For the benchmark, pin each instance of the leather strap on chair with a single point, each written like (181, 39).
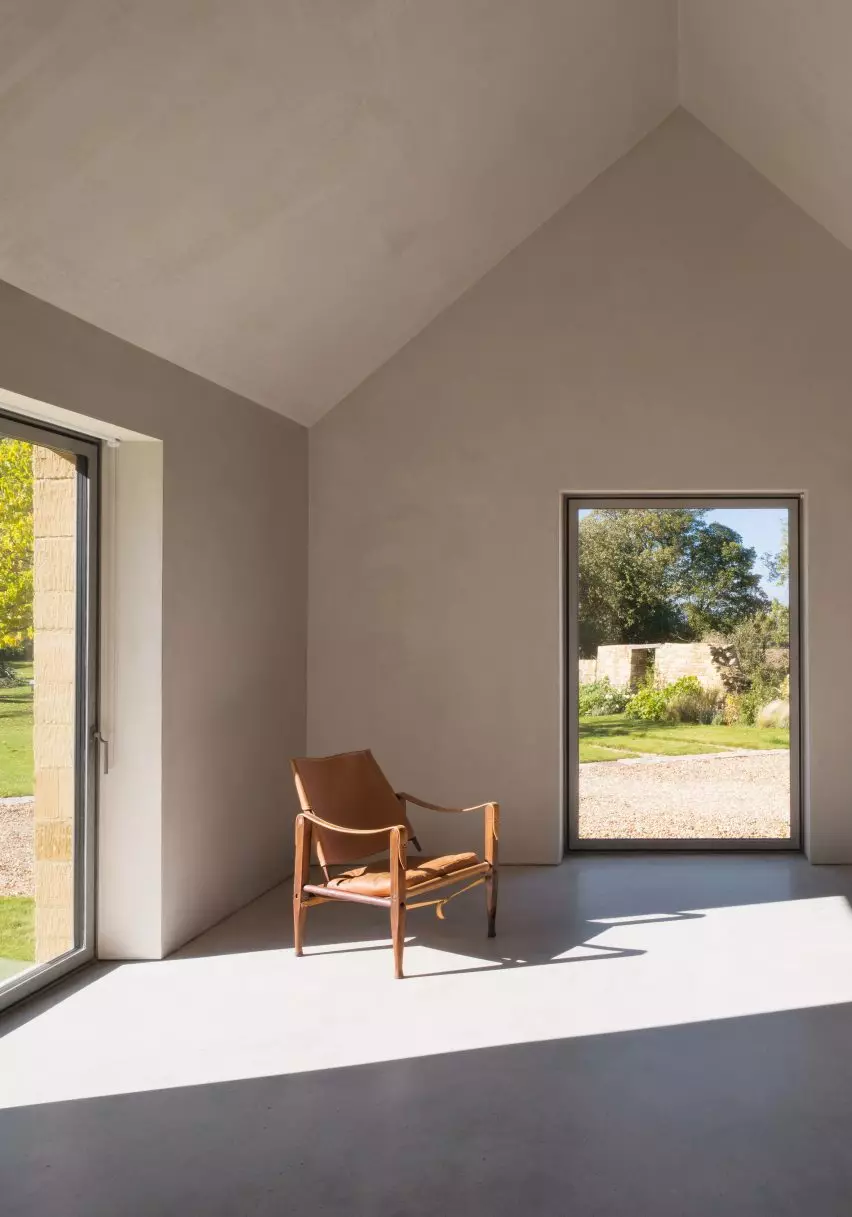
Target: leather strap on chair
(442, 900)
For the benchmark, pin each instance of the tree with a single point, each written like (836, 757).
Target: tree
(778, 569)
(651, 575)
(16, 543)
(626, 562)
(778, 624)
(778, 565)
(719, 586)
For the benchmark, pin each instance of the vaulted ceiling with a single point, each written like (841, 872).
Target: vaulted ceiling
(773, 78)
(278, 194)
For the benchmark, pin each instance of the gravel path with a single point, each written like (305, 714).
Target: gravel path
(742, 794)
(734, 794)
(16, 847)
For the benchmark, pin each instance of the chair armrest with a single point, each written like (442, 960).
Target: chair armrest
(492, 822)
(410, 798)
(355, 832)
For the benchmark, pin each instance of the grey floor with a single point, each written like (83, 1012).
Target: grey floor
(647, 1035)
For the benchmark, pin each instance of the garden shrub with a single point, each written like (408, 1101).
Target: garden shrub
(730, 710)
(756, 679)
(687, 701)
(686, 684)
(600, 697)
(764, 688)
(648, 704)
(684, 701)
(750, 640)
(776, 711)
(9, 678)
(750, 703)
(774, 714)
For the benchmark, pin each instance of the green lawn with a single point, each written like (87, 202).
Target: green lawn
(16, 736)
(616, 738)
(17, 913)
(17, 927)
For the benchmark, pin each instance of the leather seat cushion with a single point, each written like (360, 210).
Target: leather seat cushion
(373, 879)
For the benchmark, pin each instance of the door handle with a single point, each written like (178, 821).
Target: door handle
(103, 747)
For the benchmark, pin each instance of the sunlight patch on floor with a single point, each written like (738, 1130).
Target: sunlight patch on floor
(249, 1014)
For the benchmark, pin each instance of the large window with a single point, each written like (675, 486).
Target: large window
(48, 725)
(683, 674)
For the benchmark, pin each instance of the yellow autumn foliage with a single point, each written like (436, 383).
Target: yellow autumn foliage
(16, 542)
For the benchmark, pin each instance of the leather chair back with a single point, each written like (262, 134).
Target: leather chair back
(348, 789)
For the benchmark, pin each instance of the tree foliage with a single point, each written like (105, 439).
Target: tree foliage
(16, 543)
(778, 565)
(651, 575)
(778, 624)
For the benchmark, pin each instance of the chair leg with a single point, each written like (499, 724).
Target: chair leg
(492, 848)
(299, 916)
(397, 893)
(398, 935)
(301, 873)
(491, 903)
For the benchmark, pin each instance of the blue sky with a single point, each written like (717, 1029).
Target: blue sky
(762, 529)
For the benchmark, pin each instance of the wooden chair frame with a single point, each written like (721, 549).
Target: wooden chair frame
(307, 894)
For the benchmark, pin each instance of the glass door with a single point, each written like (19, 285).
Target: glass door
(48, 582)
(683, 673)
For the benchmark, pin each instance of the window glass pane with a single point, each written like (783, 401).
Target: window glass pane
(684, 702)
(39, 696)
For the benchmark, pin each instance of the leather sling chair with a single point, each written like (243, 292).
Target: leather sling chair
(350, 812)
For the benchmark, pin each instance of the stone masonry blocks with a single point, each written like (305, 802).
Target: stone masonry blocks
(54, 565)
(54, 509)
(54, 670)
(53, 609)
(672, 660)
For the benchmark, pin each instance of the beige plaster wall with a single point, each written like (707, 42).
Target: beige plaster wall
(680, 326)
(234, 599)
(772, 78)
(279, 195)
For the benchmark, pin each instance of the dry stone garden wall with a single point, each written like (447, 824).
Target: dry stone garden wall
(676, 659)
(625, 665)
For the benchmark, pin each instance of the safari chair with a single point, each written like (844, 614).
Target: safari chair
(350, 812)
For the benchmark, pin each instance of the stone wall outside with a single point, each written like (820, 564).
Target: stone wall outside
(676, 659)
(54, 673)
(588, 670)
(672, 660)
(613, 663)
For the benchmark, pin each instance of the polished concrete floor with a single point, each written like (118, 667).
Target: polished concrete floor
(667, 1035)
